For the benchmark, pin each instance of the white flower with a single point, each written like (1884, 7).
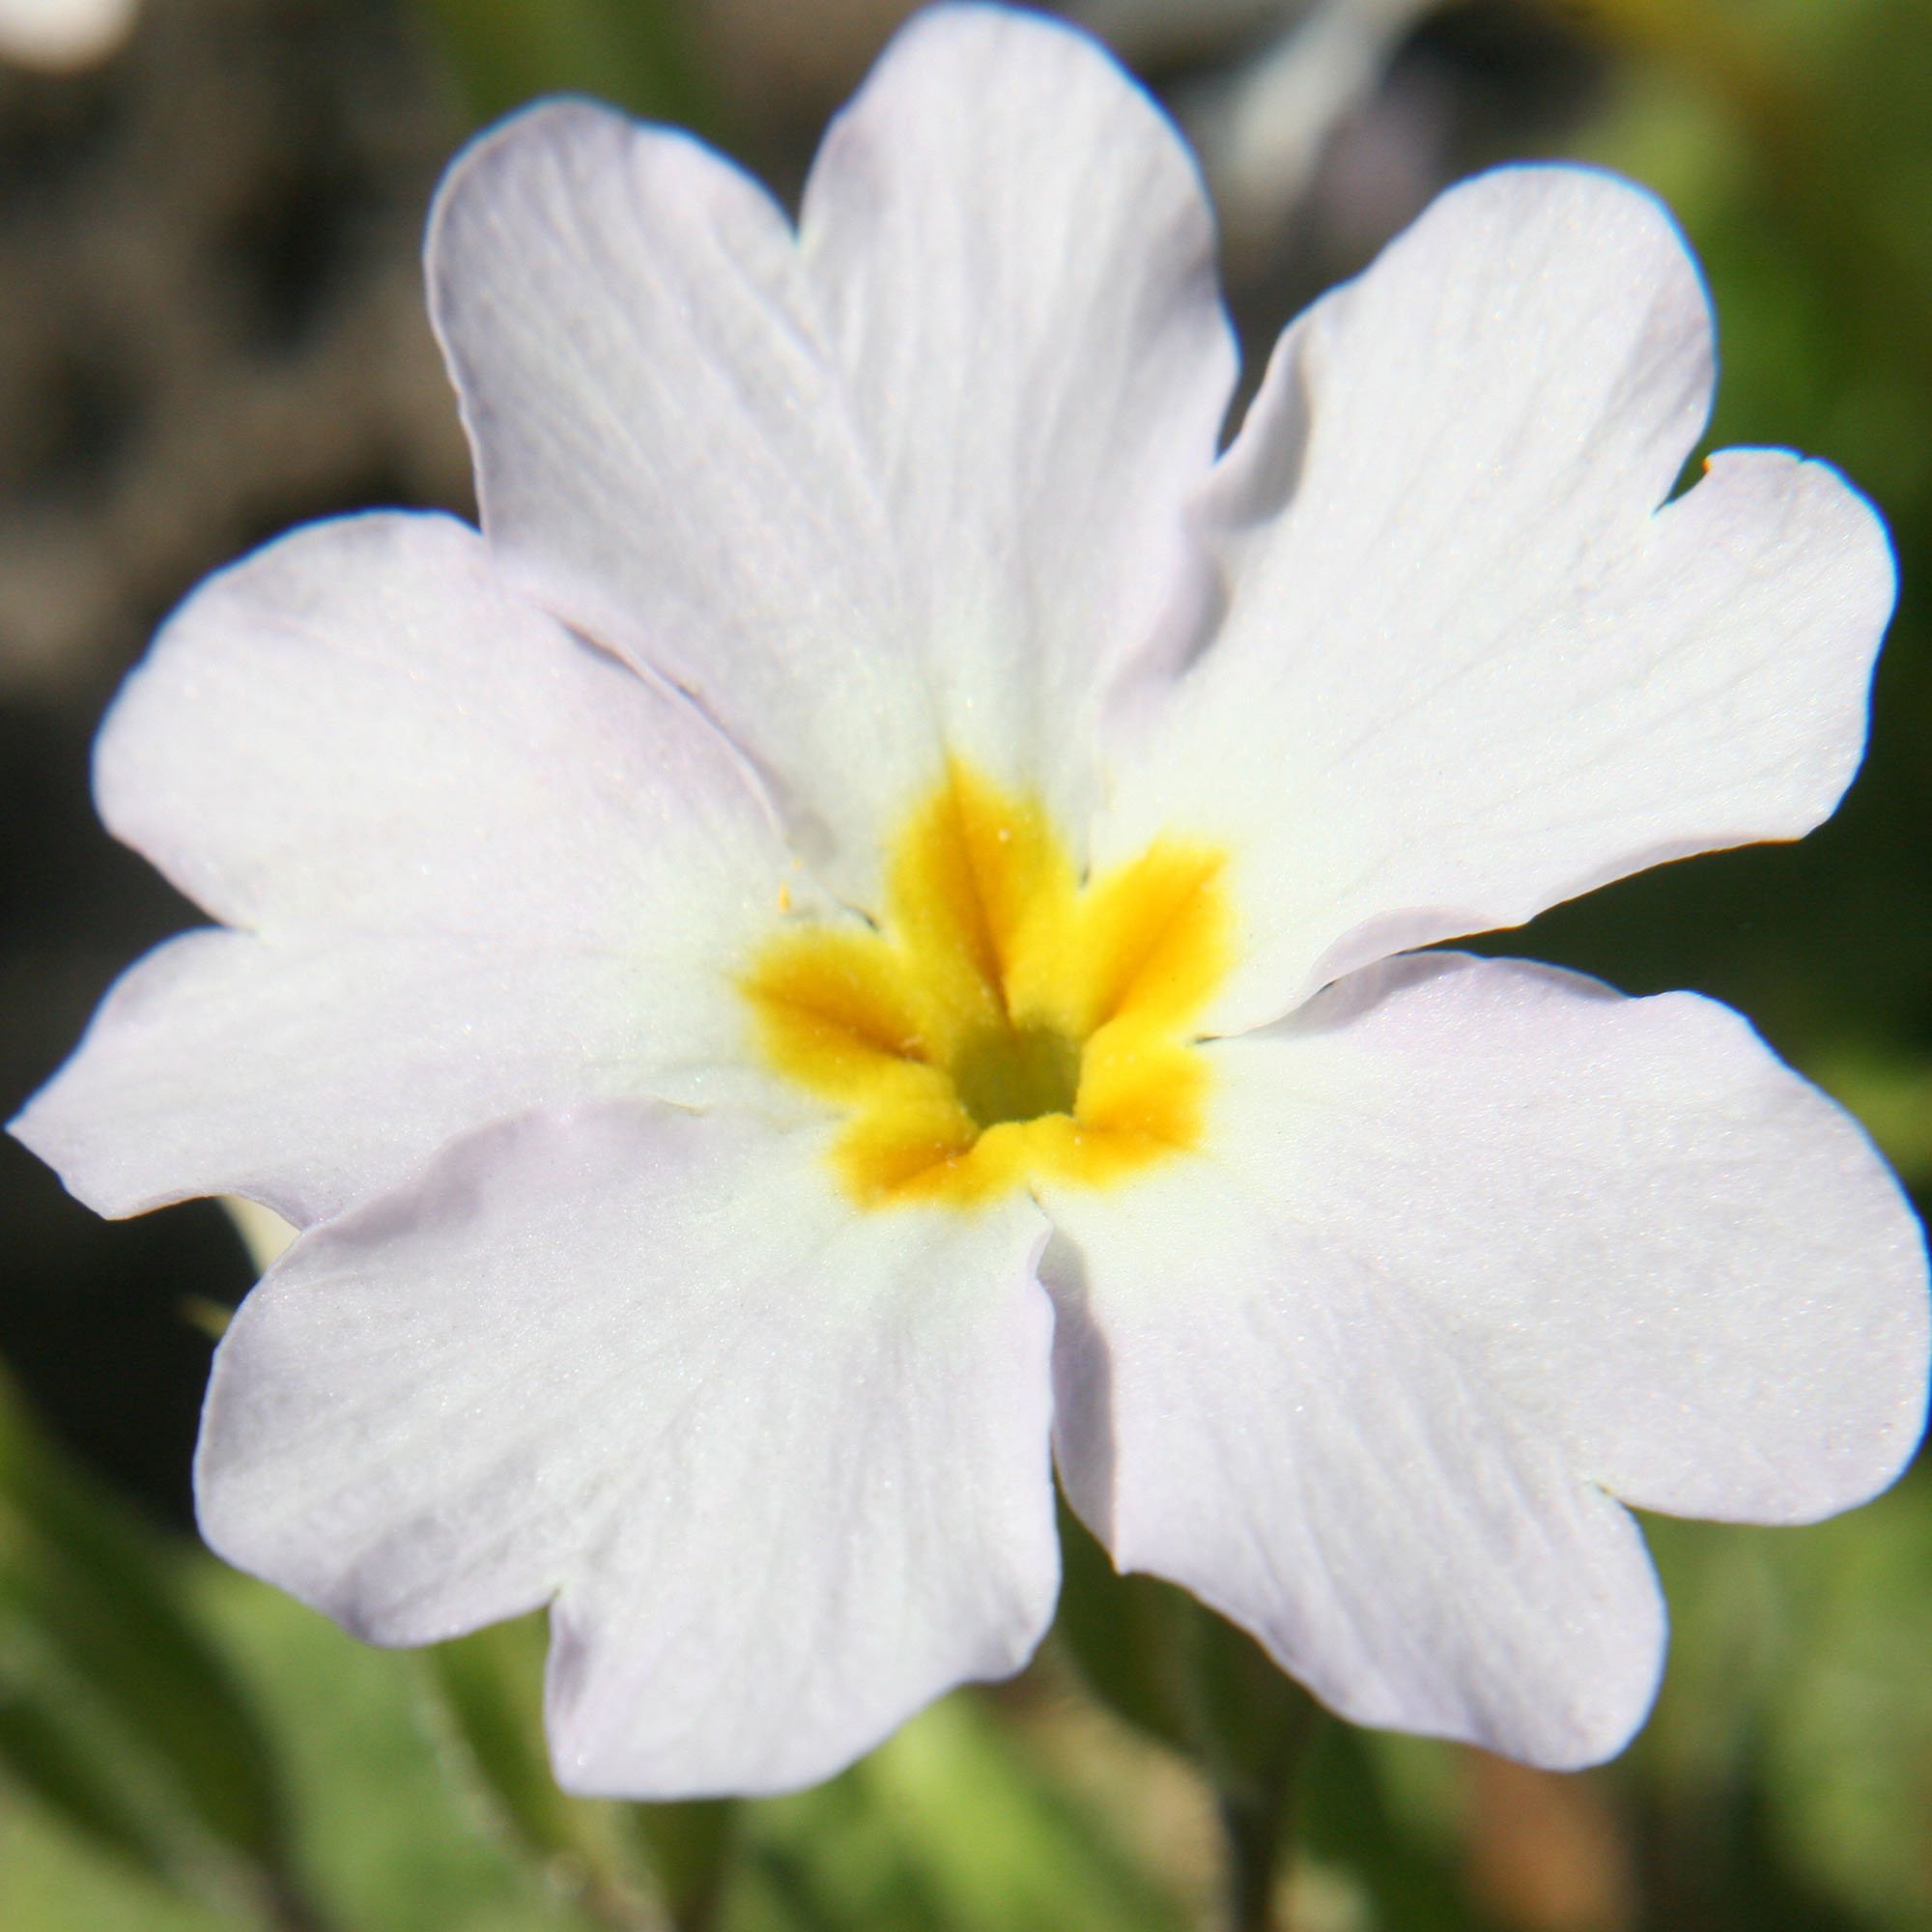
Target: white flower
(852, 935)
(63, 34)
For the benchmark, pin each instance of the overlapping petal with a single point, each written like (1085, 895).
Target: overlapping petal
(1476, 1241)
(480, 866)
(664, 455)
(1466, 667)
(783, 1468)
(895, 486)
(1023, 307)
(1249, 1408)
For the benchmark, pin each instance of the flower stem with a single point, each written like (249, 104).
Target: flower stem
(1257, 1826)
(692, 1846)
(1252, 1728)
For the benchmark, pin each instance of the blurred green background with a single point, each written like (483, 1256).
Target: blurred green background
(210, 327)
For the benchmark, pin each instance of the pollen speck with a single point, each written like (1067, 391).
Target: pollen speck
(1002, 1021)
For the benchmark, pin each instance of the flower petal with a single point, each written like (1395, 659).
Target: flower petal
(1021, 297)
(664, 454)
(1476, 1238)
(783, 1467)
(485, 868)
(906, 486)
(1678, 1254)
(1267, 1421)
(1466, 668)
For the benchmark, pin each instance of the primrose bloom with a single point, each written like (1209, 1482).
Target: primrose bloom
(852, 948)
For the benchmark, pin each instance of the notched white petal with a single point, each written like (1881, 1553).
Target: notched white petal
(1466, 667)
(664, 455)
(1478, 1242)
(1023, 304)
(1684, 1261)
(1254, 1408)
(782, 1466)
(484, 867)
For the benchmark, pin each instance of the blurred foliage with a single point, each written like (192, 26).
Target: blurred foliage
(1785, 1779)
(183, 1749)
(115, 1709)
(637, 54)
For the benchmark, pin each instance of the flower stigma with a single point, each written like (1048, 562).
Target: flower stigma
(1005, 1020)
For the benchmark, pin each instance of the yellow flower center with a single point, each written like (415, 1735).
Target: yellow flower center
(1003, 1021)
